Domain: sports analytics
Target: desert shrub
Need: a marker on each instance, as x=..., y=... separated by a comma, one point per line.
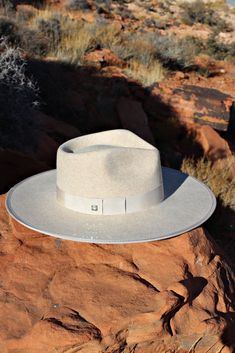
x=51, y=30
x=199, y=11
x=175, y=53
x=231, y=54
x=9, y=30
x=33, y=42
x=217, y=176
x=219, y=50
x=153, y=51
x=164, y=5
x=24, y=15
x=19, y=98
x=104, y=33
x=155, y=23
x=8, y=6
x=126, y=13
x=75, y=5
x=140, y=56
x=30, y=40
x=147, y=74
x=76, y=39
x=170, y=51
x=103, y=7
x=103, y=2
x=140, y=48
x=123, y=51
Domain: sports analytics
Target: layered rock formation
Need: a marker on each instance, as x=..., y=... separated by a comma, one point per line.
x=175, y=295
x=205, y=106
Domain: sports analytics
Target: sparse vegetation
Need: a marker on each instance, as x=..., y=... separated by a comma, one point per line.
x=34, y=43
x=69, y=40
x=19, y=98
x=218, y=49
x=75, y=41
x=46, y=32
x=175, y=53
x=7, y=6
x=199, y=11
x=51, y=30
x=150, y=42
x=105, y=34
x=155, y=23
x=24, y=15
x=146, y=74
x=169, y=51
x=74, y=5
x=9, y=30
x=217, y=176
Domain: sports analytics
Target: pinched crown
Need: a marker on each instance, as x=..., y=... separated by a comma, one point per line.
x=108, y=164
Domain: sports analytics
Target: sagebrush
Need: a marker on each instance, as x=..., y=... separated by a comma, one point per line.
x=19, y=99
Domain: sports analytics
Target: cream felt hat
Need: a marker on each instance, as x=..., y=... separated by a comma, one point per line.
x=110, y=187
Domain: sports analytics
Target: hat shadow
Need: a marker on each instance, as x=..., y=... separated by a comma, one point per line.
x=172, y=180
x=82, y=100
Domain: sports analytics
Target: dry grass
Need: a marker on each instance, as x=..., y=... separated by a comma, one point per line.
x=68, y=40
x=146, y=74
x=75, y=41
x=106, y=35
x=219, y=5
x=76, y=36
x=143, y=65
x=216, y=175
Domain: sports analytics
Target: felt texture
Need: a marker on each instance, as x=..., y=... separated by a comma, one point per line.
x=109, y=164
x=187, y=204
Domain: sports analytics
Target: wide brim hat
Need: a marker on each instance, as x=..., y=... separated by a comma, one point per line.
x=110, y=187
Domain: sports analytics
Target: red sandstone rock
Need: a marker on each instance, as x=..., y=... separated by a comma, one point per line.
x=134, y=118
x=103, y=57
x=47, y=145
x=192, y=103
x=16, y=166
x=113, y=72
x=59, y=127
x=175, y=295
x=214, y=146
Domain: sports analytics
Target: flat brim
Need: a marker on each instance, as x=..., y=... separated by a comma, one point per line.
x=187, y=204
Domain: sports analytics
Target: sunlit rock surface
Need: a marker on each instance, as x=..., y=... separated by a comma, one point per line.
x=175, y=295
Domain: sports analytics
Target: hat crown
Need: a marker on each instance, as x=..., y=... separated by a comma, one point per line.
x=109, y=164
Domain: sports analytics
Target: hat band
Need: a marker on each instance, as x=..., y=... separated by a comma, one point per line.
x=111, y=206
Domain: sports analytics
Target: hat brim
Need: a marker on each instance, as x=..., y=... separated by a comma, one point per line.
x=187, y=204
